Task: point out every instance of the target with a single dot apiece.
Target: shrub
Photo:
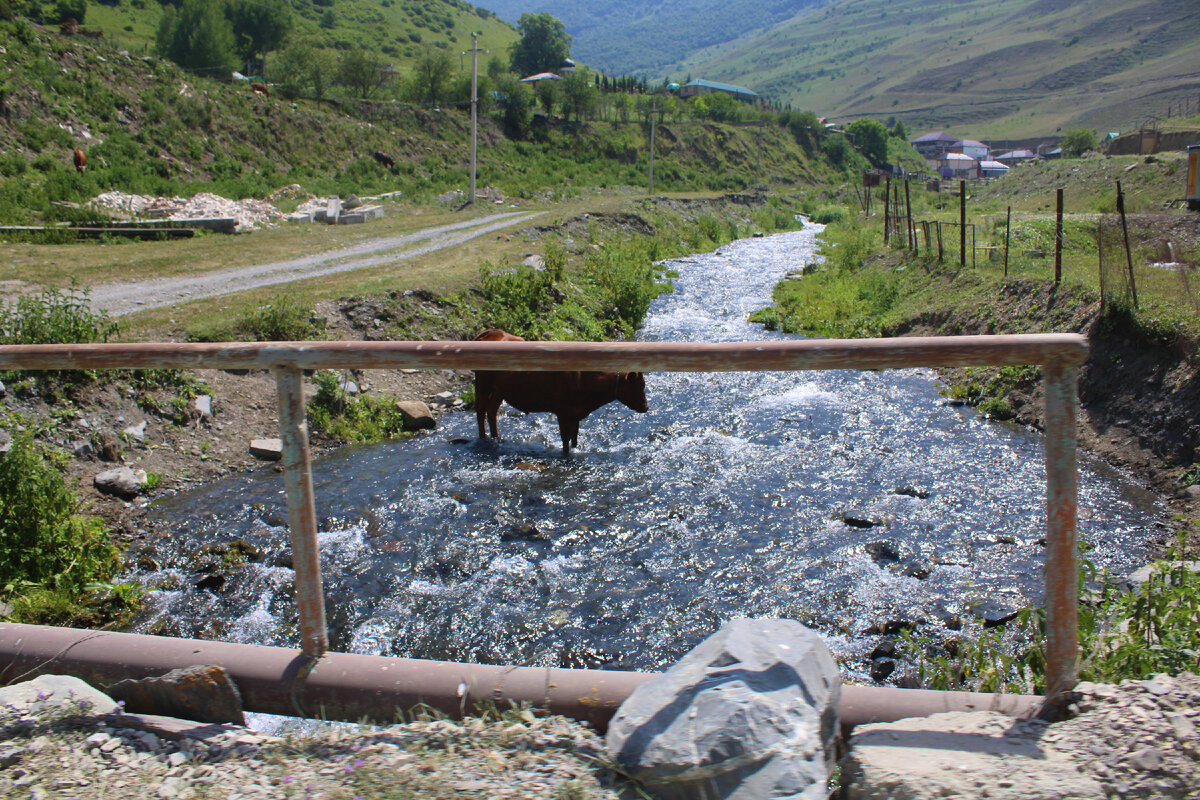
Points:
(43, 541)
(826, 215)
(283, 319)
(364, 419)
(54, 317)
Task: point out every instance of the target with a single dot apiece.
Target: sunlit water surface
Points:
(728, 499)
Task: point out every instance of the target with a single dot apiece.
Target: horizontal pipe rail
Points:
(1060, 354)
(355, 688)
(942, 351)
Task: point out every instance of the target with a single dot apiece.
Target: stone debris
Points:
(267, 449)
(248, 213)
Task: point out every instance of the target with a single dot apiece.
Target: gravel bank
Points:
(50, 749)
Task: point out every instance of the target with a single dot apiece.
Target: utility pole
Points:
(474, 111)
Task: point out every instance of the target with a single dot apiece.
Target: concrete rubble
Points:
(247, 214)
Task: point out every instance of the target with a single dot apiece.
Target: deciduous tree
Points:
(543, 45)
(1078, 141)
(870, 138)
(199, 38)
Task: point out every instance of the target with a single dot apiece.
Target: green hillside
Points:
(986, 68)
(149, 127)
(400, 31)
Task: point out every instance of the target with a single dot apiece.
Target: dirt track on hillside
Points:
(119, 299)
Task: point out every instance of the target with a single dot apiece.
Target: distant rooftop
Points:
(936, 137)
(969, 143)
(722, 87)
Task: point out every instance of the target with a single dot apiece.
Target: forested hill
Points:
(995, 68)
(650, 37)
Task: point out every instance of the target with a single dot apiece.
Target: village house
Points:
(970, 147)
(992, 169)
(957, 165)
(1014, 157)
(932, 146)
(698, 87)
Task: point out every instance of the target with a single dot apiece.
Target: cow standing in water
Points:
(81, 161)
(570, 396)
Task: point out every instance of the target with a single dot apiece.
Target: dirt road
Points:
(119, 299)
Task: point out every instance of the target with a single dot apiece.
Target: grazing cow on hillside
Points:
(570, 396)
(260, 88)
(384, 159)
(81, 161)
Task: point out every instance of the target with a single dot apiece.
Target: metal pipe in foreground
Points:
(354, 688)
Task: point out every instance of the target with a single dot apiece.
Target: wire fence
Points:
(1144, 269)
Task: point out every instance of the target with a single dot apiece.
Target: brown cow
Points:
(570, 396)
(260, 88)
(81, 161)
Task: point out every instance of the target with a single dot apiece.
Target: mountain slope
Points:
(399, 30)
(623, 37)
(985, 67)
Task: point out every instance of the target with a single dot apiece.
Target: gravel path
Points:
(119, 299)
(55, 746)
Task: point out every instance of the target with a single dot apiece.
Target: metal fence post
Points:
(1062, 579)
(302, 515)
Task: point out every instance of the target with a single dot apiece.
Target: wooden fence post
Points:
(1007, 231)
(887, 211)
(908, 216)
(1125, 232)
(962, 224)
(1058, 236)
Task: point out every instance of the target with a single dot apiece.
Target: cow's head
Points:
(631, 390)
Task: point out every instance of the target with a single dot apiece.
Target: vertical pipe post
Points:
(302, 514)
(1062, 580)
(1058, 239)
(962, 224)
(1007, 231)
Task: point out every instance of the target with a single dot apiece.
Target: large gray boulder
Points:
(749, 714)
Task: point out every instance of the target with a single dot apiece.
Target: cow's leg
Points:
(493, 409)
(568, 429)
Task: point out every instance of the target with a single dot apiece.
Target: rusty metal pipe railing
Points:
(355, 688)
(944, 351)
(1060, 354)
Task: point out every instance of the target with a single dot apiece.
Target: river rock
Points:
(203, 406)
(56, 690)
(137, 432)
(5, 442)
(83, 449)
(121, 482)
(201, 693)
(108, 445)
(535, 261)
(750, 712)
(416, 415)
(267, 449)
